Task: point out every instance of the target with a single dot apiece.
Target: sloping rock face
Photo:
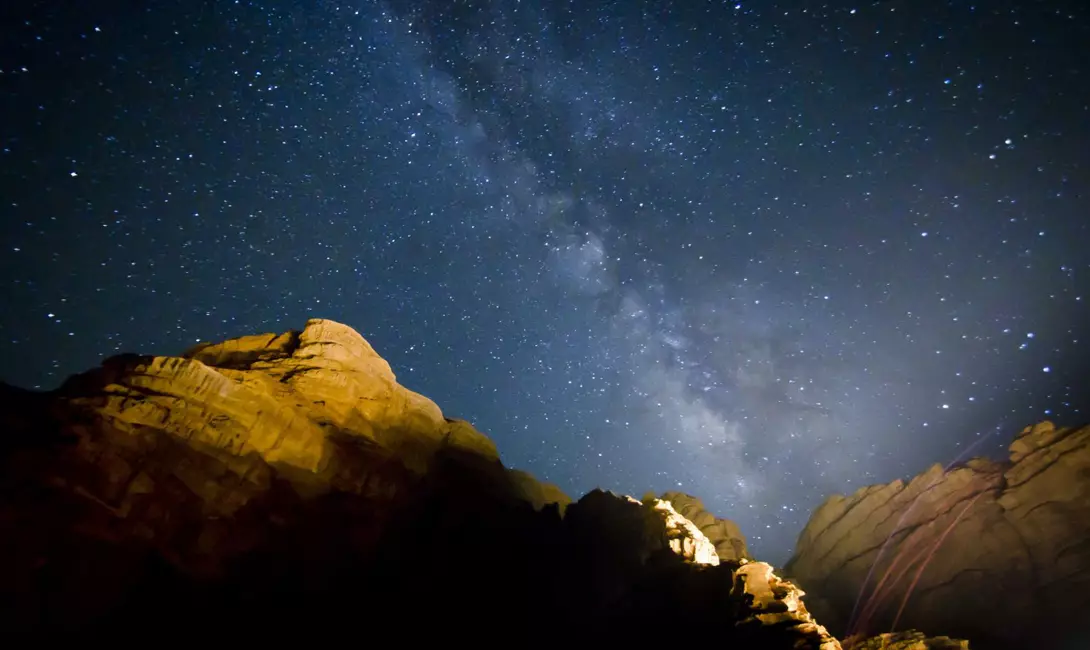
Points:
(774, 602)
(729, 542)
(998, 553)
(276, 486)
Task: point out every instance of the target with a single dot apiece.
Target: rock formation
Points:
(998, 553)
(911, 640)
(729, 542)
(276, 486)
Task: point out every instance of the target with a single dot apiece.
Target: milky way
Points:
(759, 252)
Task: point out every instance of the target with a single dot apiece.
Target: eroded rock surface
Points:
(989, 551)
(772, 601)
(729, 542)
(281, 485)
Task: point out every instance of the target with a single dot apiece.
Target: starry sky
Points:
(761, 252)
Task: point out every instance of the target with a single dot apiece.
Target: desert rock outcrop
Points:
(985, 551)
(281, 485)
(729, 542)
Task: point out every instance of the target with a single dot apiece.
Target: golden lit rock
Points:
(683, 537)
(278, 476)
(730, 543)
(772, 601)
(281, 397)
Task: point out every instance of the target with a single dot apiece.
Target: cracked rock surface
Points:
(994, 549)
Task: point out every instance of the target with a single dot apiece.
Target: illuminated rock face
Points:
(280, 397)
(988, 545)
(683, 537)
(724, 534)
(197, 456)
(275, 481)
(775, 602)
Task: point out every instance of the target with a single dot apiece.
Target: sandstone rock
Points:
(280, 397)
(964, 536)
(278, 481)
(910, 640)
(170, 449)
(772, 601)
(630, 536)
(537, 493)
(683, 537)
(729, 542)
(643, 527)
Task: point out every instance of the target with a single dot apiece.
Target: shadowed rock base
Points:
(285, 487)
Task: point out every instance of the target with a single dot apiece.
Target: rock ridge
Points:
(922, 553)
(275, 481)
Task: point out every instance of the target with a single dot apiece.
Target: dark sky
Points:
(760, 252)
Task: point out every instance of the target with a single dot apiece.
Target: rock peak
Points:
(290, 477)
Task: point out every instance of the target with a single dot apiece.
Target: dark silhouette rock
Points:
(282, 487)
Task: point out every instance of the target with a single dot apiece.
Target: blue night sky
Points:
(760, 252)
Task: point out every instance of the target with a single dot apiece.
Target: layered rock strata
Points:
(287, 485)
(996, 552)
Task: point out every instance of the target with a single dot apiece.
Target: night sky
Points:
(760, 252)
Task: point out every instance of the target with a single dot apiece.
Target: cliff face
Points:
(729, 542)
(281, 485)
(995, 552)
